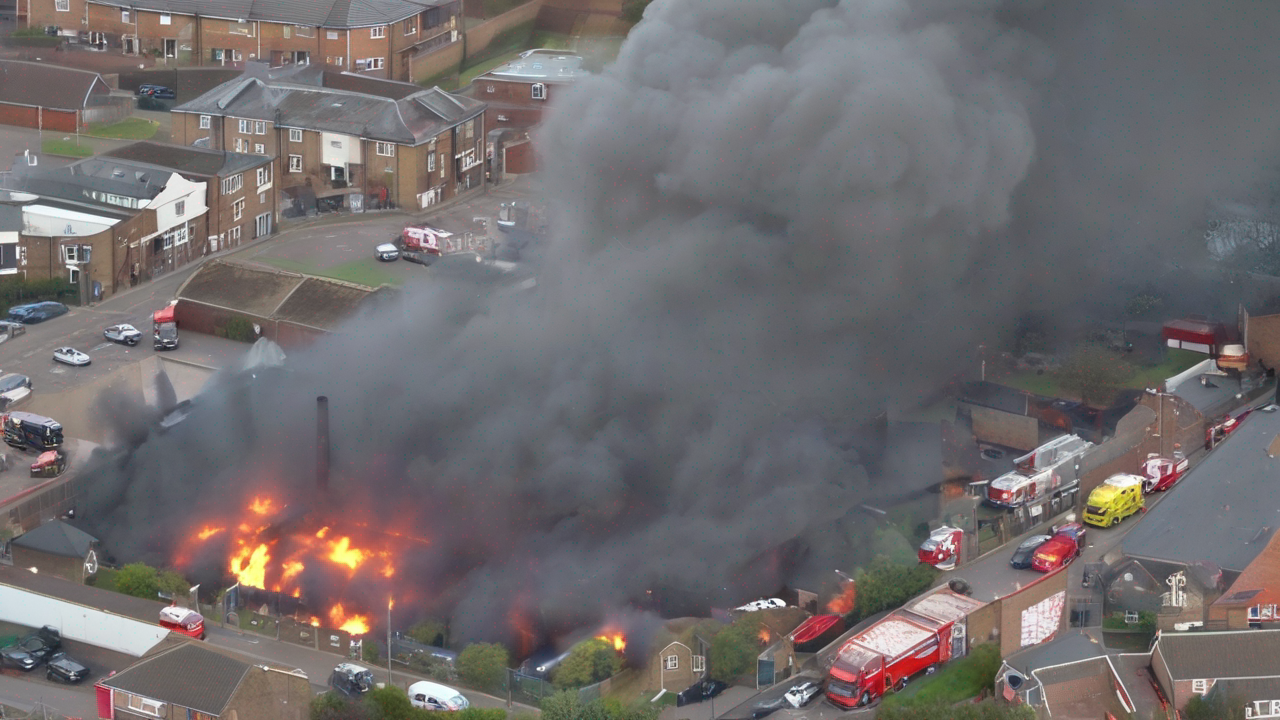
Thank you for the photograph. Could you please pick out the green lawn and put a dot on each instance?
(105, 579)
(69, 148)
(365, 272)
(1048, 384)
(258, 623)
(127, 129)
(955, 681)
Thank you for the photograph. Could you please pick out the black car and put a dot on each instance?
(420, 258)
(766, 708)
(64, 669)
(1022, 556)
(37, 312)
(32, 650)
(166, 337)
(699, 691)
(157, 91)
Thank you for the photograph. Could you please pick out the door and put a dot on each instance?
(129, 45)
(170, 48)
(958, 644)
(262, 225)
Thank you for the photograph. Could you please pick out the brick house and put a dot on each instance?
(106, 224)
(344, 141)
(55, 548)
(517, 94)
(238, 187)
(374, 38)
(230, 686)
(1187, 664)
(1253, 600)
(49, 97)
(681, 658)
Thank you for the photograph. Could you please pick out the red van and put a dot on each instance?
(1058, 552)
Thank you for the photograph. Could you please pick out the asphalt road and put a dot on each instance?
(74, 701)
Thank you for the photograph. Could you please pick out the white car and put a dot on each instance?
(127, 334)
(434, 696)
(800, 695)
(762, 604)
(70, 356)
(387, 252)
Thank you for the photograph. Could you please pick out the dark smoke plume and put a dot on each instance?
(773, 219)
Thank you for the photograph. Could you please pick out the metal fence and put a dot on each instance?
(40, 711)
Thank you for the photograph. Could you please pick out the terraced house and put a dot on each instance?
(343, 141)
(378, 38)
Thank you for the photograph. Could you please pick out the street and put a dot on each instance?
(72, 701)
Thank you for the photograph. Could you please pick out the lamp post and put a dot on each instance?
(390, 604)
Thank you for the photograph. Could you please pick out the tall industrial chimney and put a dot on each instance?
(322, 443)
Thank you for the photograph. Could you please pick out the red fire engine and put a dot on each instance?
(183, 621)
(942, 549)
(918, 637)
(1162, 473)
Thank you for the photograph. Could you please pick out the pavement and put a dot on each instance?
(71, 701)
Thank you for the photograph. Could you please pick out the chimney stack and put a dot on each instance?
(322, 443)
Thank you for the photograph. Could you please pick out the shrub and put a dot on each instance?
(17, 291)
(589, 662)
(237, 328)
(735, 648)
(369, 651)
(430, 632)
(887, 585)
(138, 580)
(483, 665)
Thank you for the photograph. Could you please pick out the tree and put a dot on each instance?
(331, 706)
(369, 651)
(566, 705)
(430, 632)
(388, 703)
(588, 662)
(1214, 706)
(563, 705)
(1094, 373)
(138, 580)
(887, 585)
(172, 584)
(483, 665)
(735, 648)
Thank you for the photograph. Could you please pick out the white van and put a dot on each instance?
(434, 696)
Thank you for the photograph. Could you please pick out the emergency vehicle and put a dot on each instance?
(183, 621)
(1162, 473)
(1118, 497)
(24, 430)
(942, 549)
(1057, 552)
(1049, 467)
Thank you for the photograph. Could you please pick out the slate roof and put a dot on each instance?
(1259, 584)
(55, 86)
(168, 677)
(1248, 690)
(996, 397)
(1231, 497)
(1091, 699)
(1071, 647)
(10, 217)
(303, 99)
(266, 293)
(1209, 655)
(187, 161)
(320, 13)
(57, 538)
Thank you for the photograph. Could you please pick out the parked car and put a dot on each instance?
(14, 388)
(351, 680)
(124, 334)
(387, 252)
(62, 668)
(699, 691)
(800, 695)
(762, 604)
(1026, 549)
(33, 649)
(434, 696)
(419, 258)
(159, 92)
(37, 312)
(991, 453)
(12, 329)
(71, 356)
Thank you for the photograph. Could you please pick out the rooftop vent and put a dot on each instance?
(117, 173)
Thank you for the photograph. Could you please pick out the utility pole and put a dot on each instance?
(390, 604)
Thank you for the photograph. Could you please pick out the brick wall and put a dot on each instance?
(228, 35)
(109, 20)
(519, 158)
(364, 45)
(333, 50)
(510, 92)
(437, 62)
(516, 117)
(983, 625)
(21, 116)
(181, 29)
(43, 13)
(275, 45)
(64, 567)
(1012, 606)
(1264, 339)
(479, 37)
(1002, 428)
(250, 140)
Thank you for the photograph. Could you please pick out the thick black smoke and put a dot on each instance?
(773, 219)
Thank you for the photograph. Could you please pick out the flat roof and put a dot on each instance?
(944, 606)
(1224, 510)
(892, 637)
(538, 65)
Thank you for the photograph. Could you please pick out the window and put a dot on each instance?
(73, 275)
(489, 88)
(259, 128)
(180, 208)
(337, 144)
(166, 19)
(337, 173)
(295, 163)
(176, 236)
(264, 175)
(244, 126)
(205, 122)
(236, 56)
(262, 198)
(699, 663)
(124, 16)
(338, 61)
(295, 135)
(539, 91)
(258, 149)
(369, 64)
(331, 34)
(71, 254)
(411, 26)
(385, 149)
(378, 32)
(287, 31)
(239, 145)
(431, 162)
(262, 225)
(441, 164)
(243, 28)
(1255, 612)
(237, 209)
(433, 17)
(232, 184)
(1199, 687)
(672, 662)
(233, 235)
(150, 707)
(62, 5)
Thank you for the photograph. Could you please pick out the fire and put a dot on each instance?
(618, 640)
(207, 532)
(843, 603)
(260, 505)
(314, 621)
(291, 569)
(322, 532)
(249, 565)
(388, 570)
(354, 624)
(763, 635)
(343, 554)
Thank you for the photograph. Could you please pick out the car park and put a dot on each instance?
(699, 691)
(37, 312)
(71, 356)
(800, 695)
(387, 252)
(1026, 549)
(124, 334)
(32, 650)
(761, 604)
(62, 668)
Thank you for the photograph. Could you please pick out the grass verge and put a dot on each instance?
(954, 682)
(361, 272)
(128, 129)
(67, 148)
(105, 579)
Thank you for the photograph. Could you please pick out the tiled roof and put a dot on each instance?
(188, 676)
(315, 302)
(1259, 584)
(321, 13)
(1066, 697)
(187, 161)
(52, 86)
(1210, 655)
(57, 538)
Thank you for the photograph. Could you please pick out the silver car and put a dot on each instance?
(126, 334)
(387, 252)
(70, 356)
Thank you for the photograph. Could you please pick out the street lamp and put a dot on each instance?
(390, 604)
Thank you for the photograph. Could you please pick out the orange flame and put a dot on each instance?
(343, 554)
(207, 532)
(261, 505)
(763, 635)
(291, 569)
(314, 621)
(618, 640)
(249, 565)
(843, 603)
(353, 624)
(322, 532)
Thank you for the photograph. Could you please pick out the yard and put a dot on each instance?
(365, 271)
(955, 681)
(1051, 384)
(105, 579)
(127, 129)
(67, 147)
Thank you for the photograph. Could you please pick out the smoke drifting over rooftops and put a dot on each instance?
(772, 220)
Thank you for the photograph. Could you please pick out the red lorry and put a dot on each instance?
(922, 635)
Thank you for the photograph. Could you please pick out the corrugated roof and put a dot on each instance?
(52, 86)
(1210, 655)
(57, 538)
(187, 161)
(1230, 495)
(1259, 584)
(171, 677)
(321, 13)
(541, 66)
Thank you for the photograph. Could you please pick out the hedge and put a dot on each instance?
(18, 291)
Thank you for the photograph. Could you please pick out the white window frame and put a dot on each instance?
(295, 163)
(70, 254)
(259, 127)
(331, 34)
(73, 275)
(124, 17)
(239, 145)
(1200, 687)
(699, 663)
(146, 705)
(233, 234)
(259, 149)
(378, 32)
(431, 162)
(411, 31)
(264, 175)
(337, 60)
(370, 63)
(244, 127)
(166, 19)
(232, 184)
(1255, 612)
(539, 91)
(442, 165)
(295, 135)
(206, 122)
(671, 662)
(62, 5)
(180, 208)
(237, 209)
(385, 149)
(258, 223)
(286, 31)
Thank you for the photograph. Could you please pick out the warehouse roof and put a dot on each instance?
(318, 13)
(267, 293)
